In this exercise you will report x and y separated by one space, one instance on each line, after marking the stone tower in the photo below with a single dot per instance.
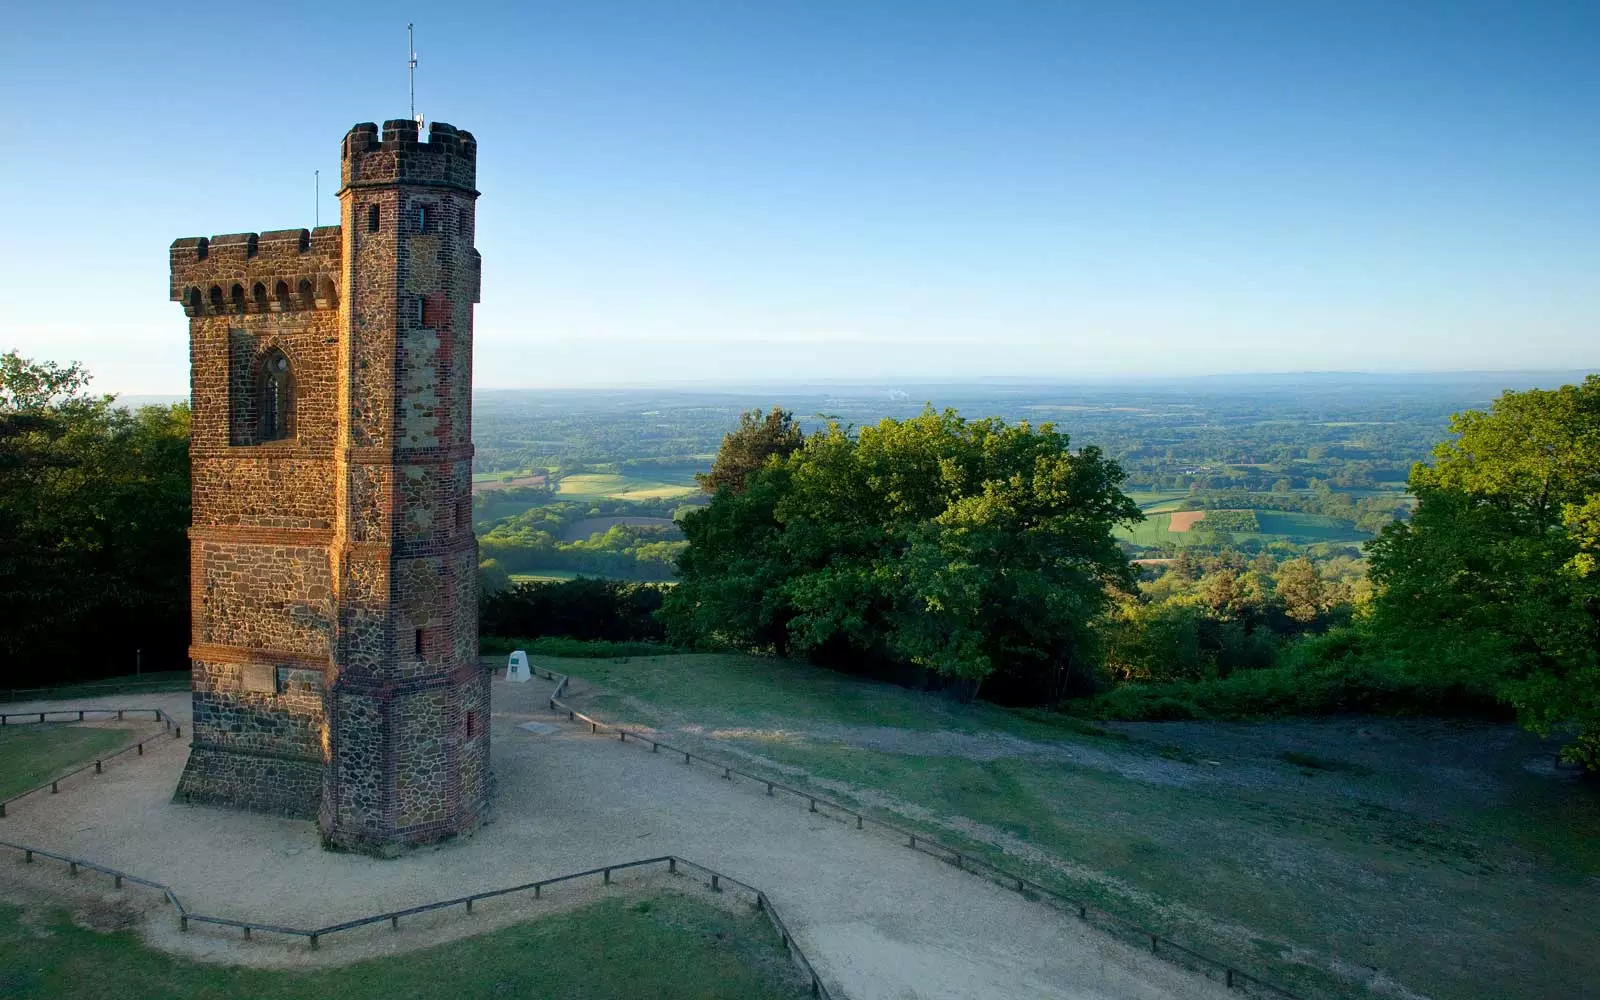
333 565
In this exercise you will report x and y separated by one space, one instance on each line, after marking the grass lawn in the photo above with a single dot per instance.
663 945
33 754
162 680
1316 877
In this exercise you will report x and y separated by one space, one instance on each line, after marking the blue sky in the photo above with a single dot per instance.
765 190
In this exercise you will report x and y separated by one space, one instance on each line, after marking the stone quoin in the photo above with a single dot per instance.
333 568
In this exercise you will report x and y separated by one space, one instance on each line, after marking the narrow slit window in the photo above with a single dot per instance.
422 218
423 316
372 218
472 724
417 644
275 397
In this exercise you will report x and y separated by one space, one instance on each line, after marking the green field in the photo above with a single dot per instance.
1276 525
1330 862
30 755
504 474
1147 500
540 575
665 944
625 487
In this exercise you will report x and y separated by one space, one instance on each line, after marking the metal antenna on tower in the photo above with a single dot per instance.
411 42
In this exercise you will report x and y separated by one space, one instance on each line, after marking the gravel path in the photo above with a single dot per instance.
878 920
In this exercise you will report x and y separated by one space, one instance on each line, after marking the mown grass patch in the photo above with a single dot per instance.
30 755
728 689
664 945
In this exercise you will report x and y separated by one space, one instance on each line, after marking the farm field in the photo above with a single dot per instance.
625 487
1292 526
481 478
540 575
1148 500
658 945
1351 857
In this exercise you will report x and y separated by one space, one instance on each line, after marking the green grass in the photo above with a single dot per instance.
1146 500
663 945
624 487
736 690
504 474
1323 857
163 680
30 755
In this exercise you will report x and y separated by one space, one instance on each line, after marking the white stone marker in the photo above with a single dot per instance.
517 667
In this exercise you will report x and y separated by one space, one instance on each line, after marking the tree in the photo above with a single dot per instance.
1300 589
977 551
94 508
492 577
757 440
1492 580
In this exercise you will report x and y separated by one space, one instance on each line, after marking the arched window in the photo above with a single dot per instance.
308 298
238 298
217 305
197 302
282 295
259 293
275 396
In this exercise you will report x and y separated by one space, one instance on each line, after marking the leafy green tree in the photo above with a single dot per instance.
975 550
492 577
94 508
1300 589
757 440
1492 580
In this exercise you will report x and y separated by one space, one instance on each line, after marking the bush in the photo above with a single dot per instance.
588 609
1338 673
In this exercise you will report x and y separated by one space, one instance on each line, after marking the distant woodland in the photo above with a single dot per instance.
1209 548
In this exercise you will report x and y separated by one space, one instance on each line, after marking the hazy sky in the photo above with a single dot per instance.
765 190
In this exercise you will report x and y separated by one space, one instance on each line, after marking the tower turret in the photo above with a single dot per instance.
407 704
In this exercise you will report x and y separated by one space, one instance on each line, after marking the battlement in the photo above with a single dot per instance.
276 271
449 157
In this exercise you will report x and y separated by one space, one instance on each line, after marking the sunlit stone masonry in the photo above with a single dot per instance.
333 569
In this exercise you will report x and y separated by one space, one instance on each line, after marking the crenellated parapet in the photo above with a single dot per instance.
279 271
448 159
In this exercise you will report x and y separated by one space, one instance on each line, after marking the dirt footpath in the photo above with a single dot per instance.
877 920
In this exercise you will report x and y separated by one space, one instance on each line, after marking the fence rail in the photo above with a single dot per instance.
80 715
1120 927
313 935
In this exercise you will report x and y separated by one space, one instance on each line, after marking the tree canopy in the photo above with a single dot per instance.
94 505
975 550
1494 578
749 447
